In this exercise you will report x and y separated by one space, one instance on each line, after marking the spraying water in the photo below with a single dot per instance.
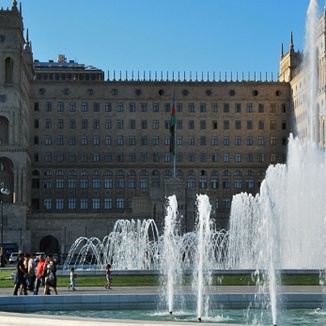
171 267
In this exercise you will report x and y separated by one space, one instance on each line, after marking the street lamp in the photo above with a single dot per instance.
3 191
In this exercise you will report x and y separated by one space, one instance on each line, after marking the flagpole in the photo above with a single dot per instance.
173 138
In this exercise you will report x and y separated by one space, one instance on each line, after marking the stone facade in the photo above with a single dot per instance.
80 152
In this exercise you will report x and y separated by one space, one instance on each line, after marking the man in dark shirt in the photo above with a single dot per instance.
20 279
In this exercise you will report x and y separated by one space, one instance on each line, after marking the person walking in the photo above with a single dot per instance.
108 276
3 258
31 272
20 278
50 275
39 274
72 277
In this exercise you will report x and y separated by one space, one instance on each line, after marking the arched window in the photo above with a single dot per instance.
9 69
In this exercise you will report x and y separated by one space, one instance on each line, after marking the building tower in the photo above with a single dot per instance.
16 72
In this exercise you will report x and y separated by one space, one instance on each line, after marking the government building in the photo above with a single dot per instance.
80 150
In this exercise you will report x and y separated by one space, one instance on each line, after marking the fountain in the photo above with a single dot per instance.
282 227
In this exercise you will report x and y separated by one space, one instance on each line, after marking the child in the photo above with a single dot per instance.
108 277
72 279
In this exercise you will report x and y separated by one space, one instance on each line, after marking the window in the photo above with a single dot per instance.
214 141
108 183
191 183
261 141
261 158
59 203
60 107
108 124
191 124
96 183
83 203
120 203
120 107
96 107
143 141
227 203
72 157
238 124
261 108
191 141
72 124
48 106
132 124
226 157
132 140
84 107
120 184
214 157
202 107
273 141
132 107
84 140
144 107
96 203
191 108
107 203
202 157
48 123
72 140
202 124
59 183
47 183
156 107
202 183
238 140
84 124
72 183
238 107
250 141
191 157
226 124
238 157
84 183
108 107
261 125
249 107
273 125
47 203
48 140
156 124
214 108
155 140
237 183
96 124
179 107
144 124
226 108
203 141
72 107
226 141
120 140
71 203
249 124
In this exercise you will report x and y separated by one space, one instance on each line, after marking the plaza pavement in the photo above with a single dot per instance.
10 319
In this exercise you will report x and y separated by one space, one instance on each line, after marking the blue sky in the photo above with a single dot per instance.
166 35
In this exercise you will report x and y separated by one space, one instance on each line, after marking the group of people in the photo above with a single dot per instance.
32 272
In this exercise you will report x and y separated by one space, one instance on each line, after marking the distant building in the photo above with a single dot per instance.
80 152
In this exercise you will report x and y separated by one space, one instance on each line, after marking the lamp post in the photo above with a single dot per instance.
3 191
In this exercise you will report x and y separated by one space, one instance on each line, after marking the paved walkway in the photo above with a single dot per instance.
155 290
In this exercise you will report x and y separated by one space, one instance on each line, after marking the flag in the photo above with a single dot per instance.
172 128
